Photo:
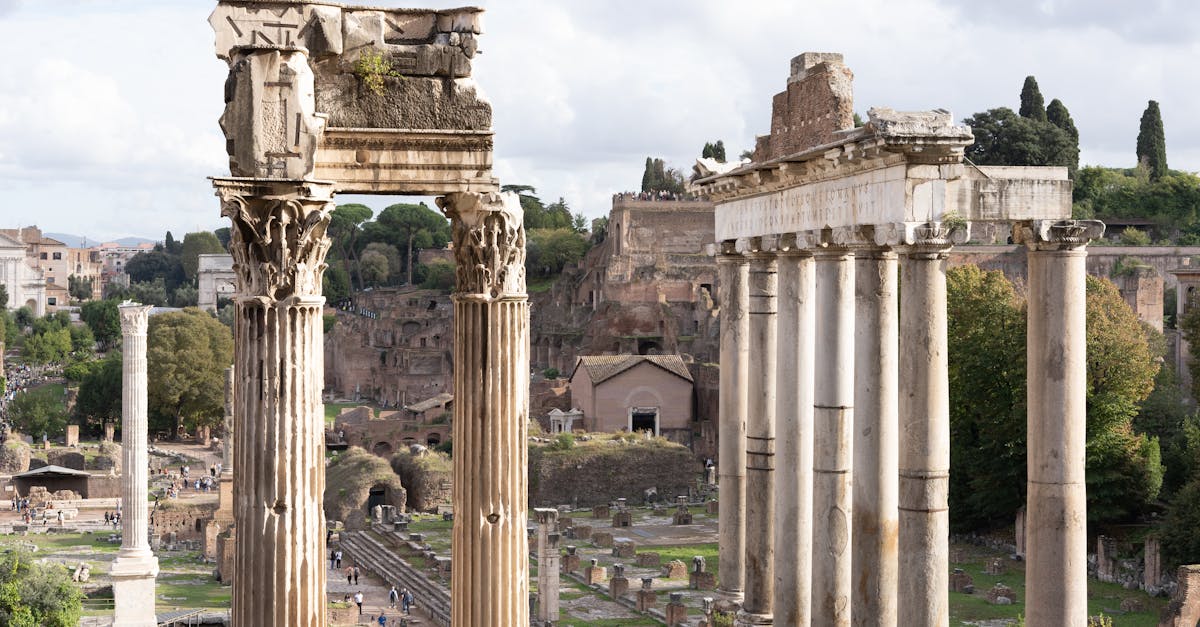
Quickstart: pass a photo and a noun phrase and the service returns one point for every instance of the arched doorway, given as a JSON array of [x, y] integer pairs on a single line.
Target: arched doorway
[[382, 449], [433, 439]]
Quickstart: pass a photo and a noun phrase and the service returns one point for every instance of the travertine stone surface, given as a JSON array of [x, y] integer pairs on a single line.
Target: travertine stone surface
[[227, 442], [734, 283], [491, 393], [134, 569], [876, 367], [794, 439], [278, 246], [833, 421], [924, 565], [760, 440], [1056, 529], [548, 564]]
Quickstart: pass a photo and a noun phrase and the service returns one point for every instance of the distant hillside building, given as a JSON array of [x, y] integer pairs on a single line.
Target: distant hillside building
[[20, 277], [216, 280], [634, 393]]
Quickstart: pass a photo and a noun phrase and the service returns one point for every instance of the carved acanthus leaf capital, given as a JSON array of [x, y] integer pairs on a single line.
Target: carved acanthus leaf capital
[[1057, 234], [278, 239], [135, 318], [488, 233]]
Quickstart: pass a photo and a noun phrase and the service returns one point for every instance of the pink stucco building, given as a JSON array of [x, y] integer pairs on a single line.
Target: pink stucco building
[[634, 393]]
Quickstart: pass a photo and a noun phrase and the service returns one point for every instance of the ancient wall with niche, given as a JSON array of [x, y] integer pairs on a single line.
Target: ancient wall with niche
[[392, 346]]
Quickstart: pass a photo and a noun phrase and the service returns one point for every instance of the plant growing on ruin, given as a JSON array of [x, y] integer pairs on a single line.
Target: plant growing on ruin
[[372, 68]]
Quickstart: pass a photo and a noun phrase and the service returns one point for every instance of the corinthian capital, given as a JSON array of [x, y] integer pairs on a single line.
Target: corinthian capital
[[1057, 234], [134, 318], [278, 239], [488, 232]]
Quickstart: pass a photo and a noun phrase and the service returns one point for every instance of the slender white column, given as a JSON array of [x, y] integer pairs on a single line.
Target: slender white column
[[490, 578], [924, 438], [794, 443], [833, 421], [134, 569], [734, 277], [278, 247], [876, 347], [548, 566], [1056, 528], [760, 443], [227, 443]]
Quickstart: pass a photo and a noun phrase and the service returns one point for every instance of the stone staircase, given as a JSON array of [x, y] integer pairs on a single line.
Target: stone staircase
[[377, 557]]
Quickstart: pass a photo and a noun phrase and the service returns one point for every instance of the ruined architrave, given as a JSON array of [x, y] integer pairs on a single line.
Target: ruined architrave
[[135, 568], [897, 195], [325, 98]]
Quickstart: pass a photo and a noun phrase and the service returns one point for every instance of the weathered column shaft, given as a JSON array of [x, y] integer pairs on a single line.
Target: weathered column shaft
[[876, 348], [227, 443], [548, 565], [278, 246], [924, 440], [135, 567], [134, 456], [490, 578], [794, 441], [734, 277], [833, 421], [1056, 523], [760, 442]]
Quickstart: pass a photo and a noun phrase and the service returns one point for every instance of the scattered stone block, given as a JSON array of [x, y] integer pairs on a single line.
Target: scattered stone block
[[960, 581], [601, 511], [1132, 604], [595, 573], [995, 566], [624, 549], [602, 539], [676, 613], [580, 532], [675, 569], [712, 508], [618, 585], [570, 561], [646, 598], [622, 519], [649, 560], [1001, 591]]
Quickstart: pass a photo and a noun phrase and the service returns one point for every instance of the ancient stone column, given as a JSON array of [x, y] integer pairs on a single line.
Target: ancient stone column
[[490, 581], [278, 246], [924, 566], [1056, 510], [794, 440], [134, 569], [734, 276], [227, 442], [760, 442], [876, 348], [548, 565], [833, 420]]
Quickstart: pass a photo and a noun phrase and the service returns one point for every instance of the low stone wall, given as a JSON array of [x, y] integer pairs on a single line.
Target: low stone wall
[[182, 520], [427, 478], [601, 473]]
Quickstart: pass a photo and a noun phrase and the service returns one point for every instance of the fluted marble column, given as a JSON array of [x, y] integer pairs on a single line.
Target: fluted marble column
[[548, 566], [734, 277], [924, 434], [490, 579], [227, 443], [794, 441], [876, 339], [833, 421], [278, 245], [1056, 529], [760, 443], [134, 569]]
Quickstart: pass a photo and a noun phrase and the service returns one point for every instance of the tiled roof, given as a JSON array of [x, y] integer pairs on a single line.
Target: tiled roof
[[603, 367], [430, 403]]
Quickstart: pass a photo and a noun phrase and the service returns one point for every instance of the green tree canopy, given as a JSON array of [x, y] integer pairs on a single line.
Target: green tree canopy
[[80, 288], [194, 245], [39, 410], [438, 275], [3, 297], [1004, 138], [986, 328], [1033, 106], [146, 267], [99, 398], [1152, 142], [187, 353], [658, 178], [410, 227], [714, 150], [335, 283], [36, 594], [345, 226], [549, 250]]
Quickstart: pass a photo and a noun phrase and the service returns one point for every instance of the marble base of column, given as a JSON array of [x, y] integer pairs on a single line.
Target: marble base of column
[[833, 422], [734, 276], [876, 351]]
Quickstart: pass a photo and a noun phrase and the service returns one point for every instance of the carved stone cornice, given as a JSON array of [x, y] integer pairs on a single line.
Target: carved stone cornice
[[278, 239], [1056, 234], [488, 233], [933, 240], [135, 318]]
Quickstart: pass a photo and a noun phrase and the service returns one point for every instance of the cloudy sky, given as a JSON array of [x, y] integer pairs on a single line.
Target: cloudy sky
[[108, 108]]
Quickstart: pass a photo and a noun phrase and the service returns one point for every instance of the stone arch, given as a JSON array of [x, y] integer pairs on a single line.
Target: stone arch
[[382, 449], [649, 346], [433, 439]]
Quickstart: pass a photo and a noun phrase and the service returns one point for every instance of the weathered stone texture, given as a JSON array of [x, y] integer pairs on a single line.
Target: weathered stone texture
[[818, 102], [601, 475]]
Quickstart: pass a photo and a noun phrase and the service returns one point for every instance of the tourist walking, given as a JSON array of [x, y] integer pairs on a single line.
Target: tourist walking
[[356, 575], [333, 560], [382, 620], [406, 601], [358, 598], [393, 596], [339, 559], [349, 575]]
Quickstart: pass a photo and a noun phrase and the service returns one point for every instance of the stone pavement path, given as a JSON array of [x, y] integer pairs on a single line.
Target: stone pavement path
[[375, 597]]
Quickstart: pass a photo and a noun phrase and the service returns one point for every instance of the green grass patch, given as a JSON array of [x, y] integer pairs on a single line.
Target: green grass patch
[[333, 409], [686, 552], [536, 285], [191, 591]]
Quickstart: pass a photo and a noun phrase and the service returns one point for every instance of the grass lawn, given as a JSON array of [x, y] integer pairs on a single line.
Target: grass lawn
[[333, 409], [191, 591], [686, 552]]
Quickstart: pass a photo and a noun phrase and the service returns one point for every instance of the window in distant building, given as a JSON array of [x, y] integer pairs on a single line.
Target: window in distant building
[[49, 279], [58, 255], [52, 301], [44, 256]]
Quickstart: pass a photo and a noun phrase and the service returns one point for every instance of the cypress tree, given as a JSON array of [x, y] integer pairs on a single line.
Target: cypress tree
[[647, 175], [1033, 106], [1057, 114], [719, 150], [1152, 142], [707, 153]]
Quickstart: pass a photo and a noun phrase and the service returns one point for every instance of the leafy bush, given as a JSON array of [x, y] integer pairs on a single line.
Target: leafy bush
[[551, 373], [563, 442], [33, 594]]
